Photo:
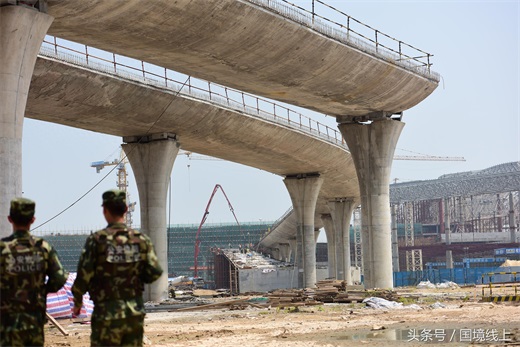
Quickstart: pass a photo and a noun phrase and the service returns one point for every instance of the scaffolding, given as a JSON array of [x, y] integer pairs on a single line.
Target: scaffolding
[[212, 238]]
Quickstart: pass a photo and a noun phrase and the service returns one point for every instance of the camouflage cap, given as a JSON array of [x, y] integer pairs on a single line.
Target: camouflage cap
[[114, 196], [22, 207]]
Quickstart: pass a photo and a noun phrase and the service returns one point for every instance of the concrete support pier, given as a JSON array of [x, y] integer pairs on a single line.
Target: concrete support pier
[[372, 145], [152, 158], [304, 190], [22, 31], [341, 212], [328, 225]]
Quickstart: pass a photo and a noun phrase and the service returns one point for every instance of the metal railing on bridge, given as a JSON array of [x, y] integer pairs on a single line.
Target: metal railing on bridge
[[355, 33], [121, 66]]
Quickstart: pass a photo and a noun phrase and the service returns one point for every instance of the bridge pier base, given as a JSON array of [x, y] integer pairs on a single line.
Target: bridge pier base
[[304, 190], [341, 212], [21, 34], [331, 244], [152, 158], [372, 148]]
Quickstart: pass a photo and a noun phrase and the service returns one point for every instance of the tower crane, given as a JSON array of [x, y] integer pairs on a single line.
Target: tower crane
[[122, 183]]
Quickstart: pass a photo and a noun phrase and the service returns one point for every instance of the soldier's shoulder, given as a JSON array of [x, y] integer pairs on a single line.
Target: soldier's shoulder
[[42, 243], [7, 238], [143, 236], [98, 233]]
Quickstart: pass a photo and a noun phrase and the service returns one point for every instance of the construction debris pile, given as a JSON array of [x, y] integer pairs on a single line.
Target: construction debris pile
[[326, 291], [249, 259]]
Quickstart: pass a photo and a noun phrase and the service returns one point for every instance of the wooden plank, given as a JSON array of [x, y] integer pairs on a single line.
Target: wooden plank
[[56, 324], [219, 304]]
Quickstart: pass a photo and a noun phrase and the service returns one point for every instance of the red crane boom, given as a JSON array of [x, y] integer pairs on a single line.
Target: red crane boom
[[204, 217]]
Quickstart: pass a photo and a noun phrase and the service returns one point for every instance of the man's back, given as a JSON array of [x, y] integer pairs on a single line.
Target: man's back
[[25, 262], [118, 261]]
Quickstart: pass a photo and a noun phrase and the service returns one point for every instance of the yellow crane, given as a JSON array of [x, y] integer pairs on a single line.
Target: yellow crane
[[122, 182]]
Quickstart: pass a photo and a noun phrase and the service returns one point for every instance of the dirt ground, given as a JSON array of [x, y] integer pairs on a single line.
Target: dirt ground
[[464, 321]]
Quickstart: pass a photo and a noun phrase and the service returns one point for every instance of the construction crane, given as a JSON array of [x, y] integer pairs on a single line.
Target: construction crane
[[425, 157], [122, 183], [204, 217], [428, 158]]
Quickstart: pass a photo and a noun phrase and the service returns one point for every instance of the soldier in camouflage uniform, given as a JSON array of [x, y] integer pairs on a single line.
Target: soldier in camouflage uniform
[[25, 260], [115, 264]]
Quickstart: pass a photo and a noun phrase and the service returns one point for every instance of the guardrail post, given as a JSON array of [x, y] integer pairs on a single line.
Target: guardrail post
[[86, 53], [348, 27], [313, 12], [114, 60], [55, 46]]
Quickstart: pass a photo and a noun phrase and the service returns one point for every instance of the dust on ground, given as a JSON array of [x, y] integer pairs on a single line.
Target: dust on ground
[[451, 317]]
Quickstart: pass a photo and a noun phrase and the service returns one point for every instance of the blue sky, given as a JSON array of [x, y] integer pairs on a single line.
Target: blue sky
[[474, 113]]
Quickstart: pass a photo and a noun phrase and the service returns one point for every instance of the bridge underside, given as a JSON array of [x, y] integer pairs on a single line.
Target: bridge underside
[[247, 47], [63, 94]]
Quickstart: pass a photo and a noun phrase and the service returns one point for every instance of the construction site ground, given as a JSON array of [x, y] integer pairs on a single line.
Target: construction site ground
[[448, 316]]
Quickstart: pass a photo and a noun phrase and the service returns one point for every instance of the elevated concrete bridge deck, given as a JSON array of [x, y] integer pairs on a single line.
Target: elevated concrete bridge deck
[[268, 48], [68, 91]]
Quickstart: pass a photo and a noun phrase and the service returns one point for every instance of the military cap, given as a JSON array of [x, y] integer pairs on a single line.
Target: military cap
[[22, 207], [114, 196]]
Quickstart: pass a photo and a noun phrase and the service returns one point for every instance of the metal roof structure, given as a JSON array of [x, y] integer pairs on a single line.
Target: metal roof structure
[[496, 179]]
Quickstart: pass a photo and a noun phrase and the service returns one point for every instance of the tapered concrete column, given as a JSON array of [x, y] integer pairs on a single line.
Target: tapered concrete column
[[152, 162], [304, 190], [341, 212], [21, 34], [338, 244], [328, 225], [372, 147]]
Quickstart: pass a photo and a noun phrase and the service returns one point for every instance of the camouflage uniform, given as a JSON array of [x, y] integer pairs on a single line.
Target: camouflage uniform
[[25, 260], [114, 265]]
